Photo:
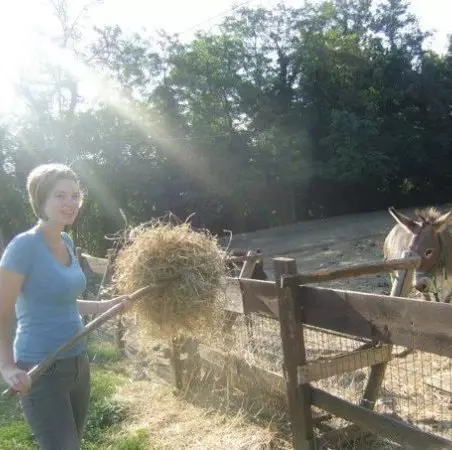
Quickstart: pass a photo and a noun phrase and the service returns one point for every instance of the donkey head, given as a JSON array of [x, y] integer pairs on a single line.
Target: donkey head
[[425, 233]]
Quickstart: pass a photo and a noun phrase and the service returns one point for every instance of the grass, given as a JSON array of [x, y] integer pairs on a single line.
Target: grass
[[106, 414], [14, 433], [146, 414], [103, 353]]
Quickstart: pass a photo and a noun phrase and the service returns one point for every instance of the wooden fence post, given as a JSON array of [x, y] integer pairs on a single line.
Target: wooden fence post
[[230, 317], [2, 242], [82, 262], [120, 328], [247, 272], [176, 362], [298, 396]]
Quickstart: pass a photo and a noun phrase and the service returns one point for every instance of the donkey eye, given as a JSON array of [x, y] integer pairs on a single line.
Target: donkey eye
[[428, 252]]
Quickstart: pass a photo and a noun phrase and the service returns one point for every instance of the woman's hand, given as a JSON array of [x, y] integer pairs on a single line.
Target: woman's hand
[[16, 379], [104, 305]]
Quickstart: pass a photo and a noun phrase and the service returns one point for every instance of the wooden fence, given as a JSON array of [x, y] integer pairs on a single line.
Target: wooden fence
[[383, 321]]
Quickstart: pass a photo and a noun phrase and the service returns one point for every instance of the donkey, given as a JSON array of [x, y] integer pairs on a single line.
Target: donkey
[[425, 236]]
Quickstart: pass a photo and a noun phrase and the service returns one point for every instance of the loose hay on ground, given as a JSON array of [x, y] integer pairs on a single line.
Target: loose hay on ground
[[186, 267], [174, 423]]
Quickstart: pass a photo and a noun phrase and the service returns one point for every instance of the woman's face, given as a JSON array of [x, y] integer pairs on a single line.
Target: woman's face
[[63, 203]]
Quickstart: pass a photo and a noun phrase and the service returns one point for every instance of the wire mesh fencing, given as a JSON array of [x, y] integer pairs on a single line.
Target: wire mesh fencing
[[416, 389]]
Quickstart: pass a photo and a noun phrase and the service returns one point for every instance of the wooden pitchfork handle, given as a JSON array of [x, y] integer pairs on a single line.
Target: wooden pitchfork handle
[[37, 370]]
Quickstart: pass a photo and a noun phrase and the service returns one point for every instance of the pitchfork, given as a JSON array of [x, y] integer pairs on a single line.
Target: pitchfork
[[36, 371]]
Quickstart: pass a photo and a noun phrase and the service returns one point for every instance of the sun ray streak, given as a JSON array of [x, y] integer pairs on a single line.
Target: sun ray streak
[[142, 118]]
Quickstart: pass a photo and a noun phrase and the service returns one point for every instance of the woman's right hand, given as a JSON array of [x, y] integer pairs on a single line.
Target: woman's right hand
[[16, 379]]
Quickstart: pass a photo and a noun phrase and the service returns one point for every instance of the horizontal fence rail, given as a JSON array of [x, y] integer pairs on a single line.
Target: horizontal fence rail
[[402, 433], [355, 270], [397, 320]]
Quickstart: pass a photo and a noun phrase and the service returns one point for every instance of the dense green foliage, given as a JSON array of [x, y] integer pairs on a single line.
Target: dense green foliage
[[282, 115]]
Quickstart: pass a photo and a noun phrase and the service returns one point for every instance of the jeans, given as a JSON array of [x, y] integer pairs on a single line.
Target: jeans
[[56, 406]]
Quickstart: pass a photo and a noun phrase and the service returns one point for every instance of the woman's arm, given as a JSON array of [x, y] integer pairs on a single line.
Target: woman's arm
[[98, 307], [10, 287]]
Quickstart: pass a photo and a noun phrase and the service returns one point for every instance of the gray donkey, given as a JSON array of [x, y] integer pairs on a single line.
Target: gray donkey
[[425, 236]]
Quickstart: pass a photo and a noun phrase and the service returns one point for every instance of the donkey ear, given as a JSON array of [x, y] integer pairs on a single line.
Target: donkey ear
[[442, 222], [409, 224]]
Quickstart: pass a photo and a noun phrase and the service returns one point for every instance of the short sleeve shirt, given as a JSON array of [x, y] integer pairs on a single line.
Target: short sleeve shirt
[[46, 308]]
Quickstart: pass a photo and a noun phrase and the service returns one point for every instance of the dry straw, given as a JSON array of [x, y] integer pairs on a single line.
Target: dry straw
[[185, 266]]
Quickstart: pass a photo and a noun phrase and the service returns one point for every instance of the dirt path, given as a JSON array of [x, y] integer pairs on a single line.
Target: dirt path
[[332, 242]]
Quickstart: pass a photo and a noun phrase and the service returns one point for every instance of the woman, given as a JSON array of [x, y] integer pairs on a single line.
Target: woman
[[41, 279]]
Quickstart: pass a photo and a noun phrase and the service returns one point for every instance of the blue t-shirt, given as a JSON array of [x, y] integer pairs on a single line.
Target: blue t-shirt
[[46, 308]]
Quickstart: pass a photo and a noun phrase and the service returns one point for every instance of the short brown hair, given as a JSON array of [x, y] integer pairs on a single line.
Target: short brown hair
[[42, 180]]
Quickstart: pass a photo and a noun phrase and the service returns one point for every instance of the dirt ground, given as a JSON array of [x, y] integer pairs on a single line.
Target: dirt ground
[[328, 243]]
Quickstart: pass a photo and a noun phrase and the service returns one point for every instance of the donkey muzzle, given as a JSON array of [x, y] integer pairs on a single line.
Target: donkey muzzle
[[422, 282]]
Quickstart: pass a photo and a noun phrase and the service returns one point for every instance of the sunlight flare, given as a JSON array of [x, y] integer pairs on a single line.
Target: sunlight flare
[[150, 124]]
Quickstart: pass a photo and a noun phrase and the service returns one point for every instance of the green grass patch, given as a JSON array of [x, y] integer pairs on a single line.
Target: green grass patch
[[136, 441], [9, 407], [14, 432], [105, 412], [103, 352], [139, 440], [104, 383], [16, 436], [104, 417]]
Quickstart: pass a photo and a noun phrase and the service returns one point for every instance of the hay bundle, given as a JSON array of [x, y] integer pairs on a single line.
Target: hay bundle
[[186, 267]]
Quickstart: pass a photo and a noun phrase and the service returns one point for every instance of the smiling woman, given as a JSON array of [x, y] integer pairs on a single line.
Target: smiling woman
[[40, 281]]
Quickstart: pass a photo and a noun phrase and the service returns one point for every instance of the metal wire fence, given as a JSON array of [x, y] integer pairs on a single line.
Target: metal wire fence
[[417, 388]]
